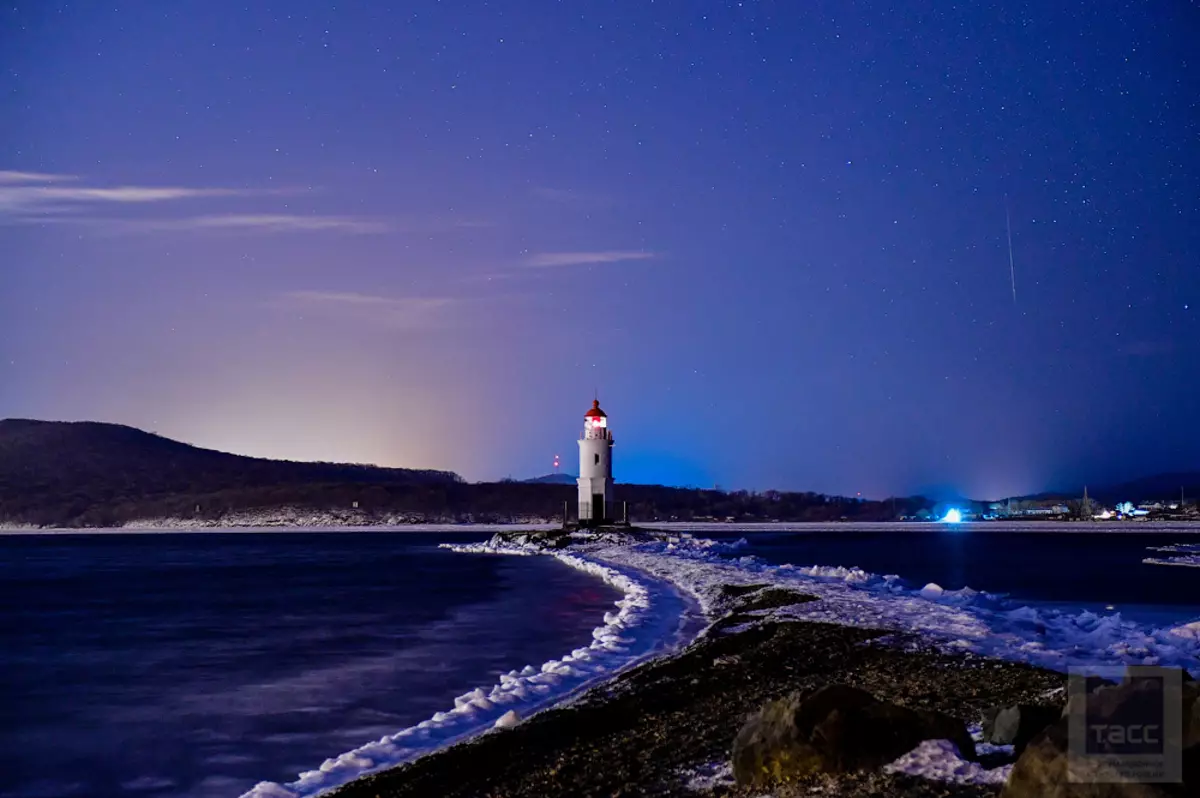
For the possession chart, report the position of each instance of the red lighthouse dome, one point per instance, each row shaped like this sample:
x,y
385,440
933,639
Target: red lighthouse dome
x,y
595,412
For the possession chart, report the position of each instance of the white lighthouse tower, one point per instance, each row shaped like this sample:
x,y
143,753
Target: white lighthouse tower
x,y
595,468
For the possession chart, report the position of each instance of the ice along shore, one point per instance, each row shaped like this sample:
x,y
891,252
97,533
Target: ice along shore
x,y
666,725
652,618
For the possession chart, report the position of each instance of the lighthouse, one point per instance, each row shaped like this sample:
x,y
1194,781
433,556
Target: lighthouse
x,y
595,469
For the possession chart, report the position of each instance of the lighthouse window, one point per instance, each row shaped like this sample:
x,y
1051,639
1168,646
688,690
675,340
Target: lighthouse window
x,y
597,461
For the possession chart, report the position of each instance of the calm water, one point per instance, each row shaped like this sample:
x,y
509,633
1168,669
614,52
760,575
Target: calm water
x,y
200,664
1063,570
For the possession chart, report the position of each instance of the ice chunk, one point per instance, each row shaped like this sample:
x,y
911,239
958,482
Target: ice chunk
x,y
508,720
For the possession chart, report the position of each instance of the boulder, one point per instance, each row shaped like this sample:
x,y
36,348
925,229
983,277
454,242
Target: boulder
x,y
835,729
1041,770
1017,725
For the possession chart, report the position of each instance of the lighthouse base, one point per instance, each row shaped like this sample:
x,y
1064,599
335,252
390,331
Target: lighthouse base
x,y
585,519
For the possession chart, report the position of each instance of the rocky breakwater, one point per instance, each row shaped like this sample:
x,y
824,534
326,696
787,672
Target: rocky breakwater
x,y
765,703
671,726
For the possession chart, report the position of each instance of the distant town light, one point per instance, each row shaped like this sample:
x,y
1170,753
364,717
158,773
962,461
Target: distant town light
x,y
952,516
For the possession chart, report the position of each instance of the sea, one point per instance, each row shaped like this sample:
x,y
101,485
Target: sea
x,y
198,664
181,664
1069,570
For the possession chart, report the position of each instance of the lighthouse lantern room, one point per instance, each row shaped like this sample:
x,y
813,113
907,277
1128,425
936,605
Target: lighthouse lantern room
x,y
595,469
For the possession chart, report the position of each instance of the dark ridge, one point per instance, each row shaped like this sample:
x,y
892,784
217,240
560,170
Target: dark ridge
x,y
56,472
87,474
1160,487
552,479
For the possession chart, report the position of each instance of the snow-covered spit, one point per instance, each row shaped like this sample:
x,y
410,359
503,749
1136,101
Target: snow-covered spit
x,y
955,620
958,620
650,619
1185,554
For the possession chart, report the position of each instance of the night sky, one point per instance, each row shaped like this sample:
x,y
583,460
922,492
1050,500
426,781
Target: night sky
x,y
771,235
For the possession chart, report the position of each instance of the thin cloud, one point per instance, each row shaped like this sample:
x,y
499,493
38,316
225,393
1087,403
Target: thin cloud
x,y
21,198
9,176
550,259
37,197
271,223
396,313
126,193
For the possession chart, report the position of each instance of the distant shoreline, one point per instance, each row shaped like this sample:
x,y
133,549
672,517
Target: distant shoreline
x,y
276,529
158,526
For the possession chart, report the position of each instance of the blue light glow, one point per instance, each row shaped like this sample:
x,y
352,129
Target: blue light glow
x,y
953,516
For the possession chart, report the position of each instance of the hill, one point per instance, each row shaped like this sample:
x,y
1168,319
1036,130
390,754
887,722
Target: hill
x,y
1160,487
552,479
86,474
61,472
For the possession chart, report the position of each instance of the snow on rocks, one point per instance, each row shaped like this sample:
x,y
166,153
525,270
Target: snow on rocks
x,y
939,760
508,720
12,526
955,620
1188,630
648,621
708,777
